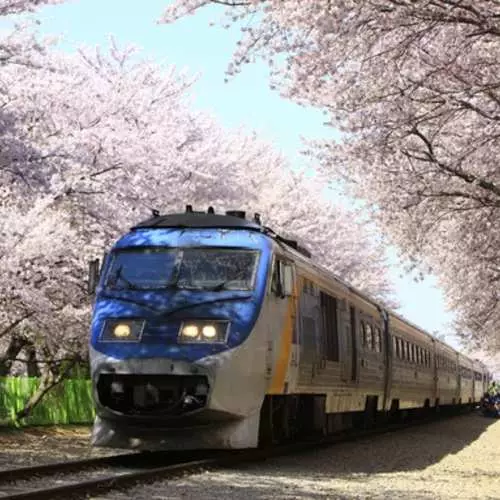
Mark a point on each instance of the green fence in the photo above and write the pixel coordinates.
(69, 402)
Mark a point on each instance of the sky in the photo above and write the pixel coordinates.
(246, 100)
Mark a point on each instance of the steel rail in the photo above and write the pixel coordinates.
(227, 459)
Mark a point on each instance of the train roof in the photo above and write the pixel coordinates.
(232, 219)
(199, 220)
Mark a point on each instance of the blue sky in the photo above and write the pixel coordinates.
(247, 99)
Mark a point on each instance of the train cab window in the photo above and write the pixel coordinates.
(369, 339)
(282, 282)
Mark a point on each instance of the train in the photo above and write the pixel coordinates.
(212, 331)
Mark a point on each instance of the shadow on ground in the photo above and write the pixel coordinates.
(389, 466)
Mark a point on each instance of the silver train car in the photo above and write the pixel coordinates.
(212, 331)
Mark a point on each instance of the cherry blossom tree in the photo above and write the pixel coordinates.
(413, 87)
(103, 139)
(90, 143)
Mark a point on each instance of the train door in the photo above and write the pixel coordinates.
(310, 323)
(282, 299)
(350, 364)
(354, 345)
(434, 360)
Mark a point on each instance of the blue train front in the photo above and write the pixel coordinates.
(178, 340)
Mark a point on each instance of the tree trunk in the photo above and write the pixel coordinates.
(48, 381)
(32, 362)
(16, 344)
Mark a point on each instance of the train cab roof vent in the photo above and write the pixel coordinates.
(296, 246)
(236, 213)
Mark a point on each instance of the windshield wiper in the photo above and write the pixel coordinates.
(131, 301)
(183, 307)
(217, 287)
(118, 276)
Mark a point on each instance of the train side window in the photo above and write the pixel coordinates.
(403, 349)
(363, 333)
(394, 346)
(398, 347)
(407, 350)
(369, 336)
(378, 339)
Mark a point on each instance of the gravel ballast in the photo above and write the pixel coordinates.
(456, 458)
(451, 459)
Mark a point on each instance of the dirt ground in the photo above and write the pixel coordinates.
(44, 445)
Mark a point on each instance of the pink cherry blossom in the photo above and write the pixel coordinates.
(413, 87)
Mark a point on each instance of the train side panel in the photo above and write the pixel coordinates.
(448, 390)
(413, 375)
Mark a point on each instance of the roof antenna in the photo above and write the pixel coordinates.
(256, 218)
(211, 210)
(156, 213)
(189, 209)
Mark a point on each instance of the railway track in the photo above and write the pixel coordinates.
(76, 479)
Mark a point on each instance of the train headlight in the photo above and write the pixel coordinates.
(190, 331)
(122, 330)
(214, 331)
(209, 331)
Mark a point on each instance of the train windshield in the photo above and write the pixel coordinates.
(185, 268)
